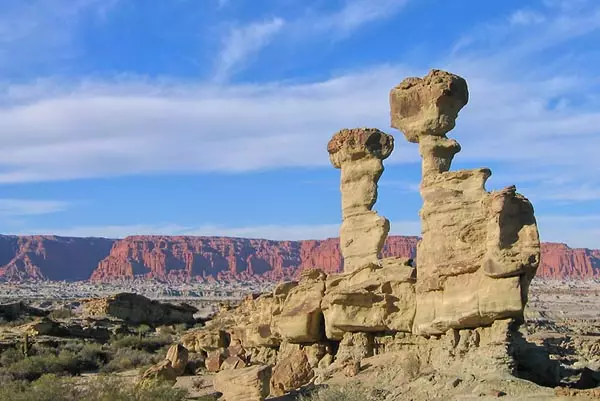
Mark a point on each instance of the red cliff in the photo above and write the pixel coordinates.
(164, 257)
(50, 257)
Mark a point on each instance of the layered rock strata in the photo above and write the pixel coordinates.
(479, 250)
(359, 153)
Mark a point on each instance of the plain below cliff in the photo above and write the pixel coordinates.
(179, 257)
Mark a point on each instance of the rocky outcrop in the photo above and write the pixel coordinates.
(359, 153)
(50, 257)
(18, 310)
(479, 250)
(136, 309)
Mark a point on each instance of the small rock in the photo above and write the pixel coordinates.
(454, 383)
(351, 368)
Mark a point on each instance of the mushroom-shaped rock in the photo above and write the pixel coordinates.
(359, 153)
(478, 250)
(352, 144)
(428, 105)
(425, 110)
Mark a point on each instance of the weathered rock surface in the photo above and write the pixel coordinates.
(178, 356)
(479, 250)
(137, 309)
(62, 258)
(290, 373)
(359, 153)
(376, 297)
(163, 370)
(247, 384)
(301, 317)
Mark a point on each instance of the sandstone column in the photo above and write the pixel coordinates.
(479, 250)
(359, 153)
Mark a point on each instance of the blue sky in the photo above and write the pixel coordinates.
(211, 117)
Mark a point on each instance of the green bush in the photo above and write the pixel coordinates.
(53, 388)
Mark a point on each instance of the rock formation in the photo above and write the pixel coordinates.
(136, 309)
(479, 250)
(50, 257)
(456, 311)
(359, 153)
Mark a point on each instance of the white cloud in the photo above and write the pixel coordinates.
(243, 42)
(273, 231)
(28, 207)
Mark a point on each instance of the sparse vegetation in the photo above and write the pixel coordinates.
(76, 357)
(148, 344)
(349, 392)
(54, 388)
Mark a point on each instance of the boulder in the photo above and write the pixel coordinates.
(290, 373)
(178, 355)
(233, 362)
(247, 384)
(160, 371)
(214, 360)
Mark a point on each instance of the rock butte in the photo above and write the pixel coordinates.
(457, 309)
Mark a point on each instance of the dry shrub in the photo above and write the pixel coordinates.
(53, 388)
(348, 392)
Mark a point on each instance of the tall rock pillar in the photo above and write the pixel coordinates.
(479, 250)
(359, 153)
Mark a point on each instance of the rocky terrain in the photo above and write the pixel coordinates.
(203, 258)
(449, 322)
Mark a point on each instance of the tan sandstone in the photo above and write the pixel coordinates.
(479, 250)
(375, 297)
(359, 153)
(247, 384)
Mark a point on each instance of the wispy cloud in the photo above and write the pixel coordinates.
(353, 15)
(243, 42)
(28, 207)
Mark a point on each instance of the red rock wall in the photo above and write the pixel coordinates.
(60, 258)
(50, 257)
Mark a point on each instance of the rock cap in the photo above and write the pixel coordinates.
(356, 143)
(428, 105)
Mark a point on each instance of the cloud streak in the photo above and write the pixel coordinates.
(28, 207)
(243, 42)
